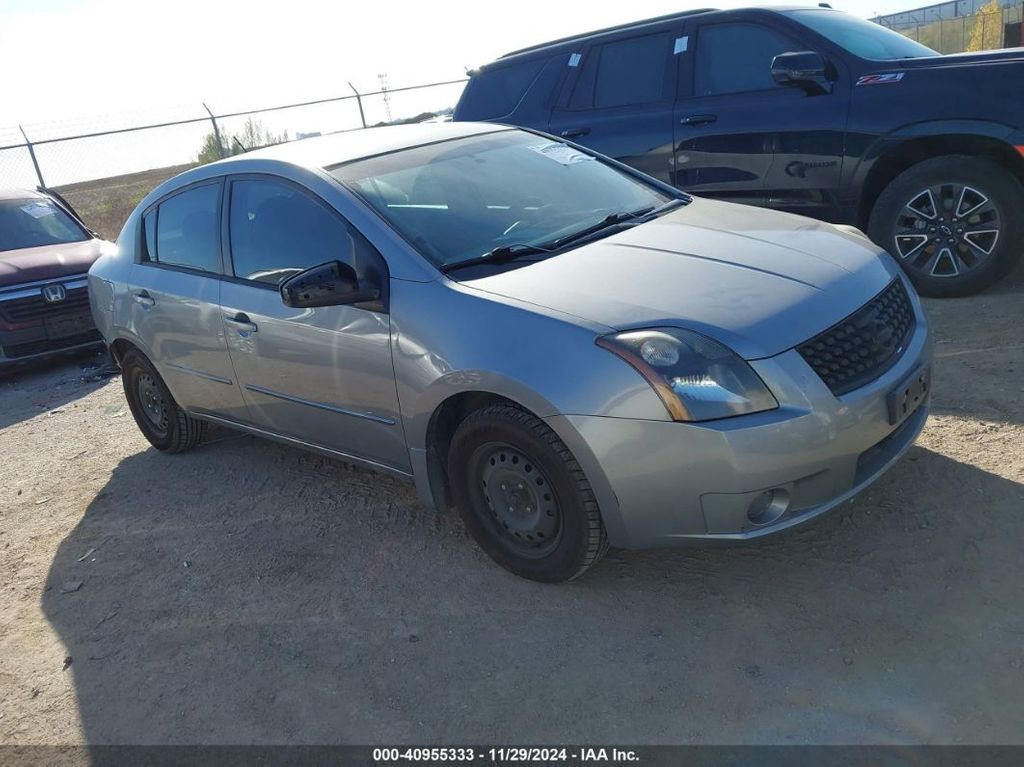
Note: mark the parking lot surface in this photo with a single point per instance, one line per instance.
(247, 592)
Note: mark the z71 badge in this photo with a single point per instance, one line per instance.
(888, 77)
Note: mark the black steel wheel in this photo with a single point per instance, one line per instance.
(525, 515)
(152, 403)
(523, 496)
(953, 224)
(158, 416)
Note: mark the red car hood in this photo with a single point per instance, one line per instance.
(49, 262)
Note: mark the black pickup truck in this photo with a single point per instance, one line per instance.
(807, 110)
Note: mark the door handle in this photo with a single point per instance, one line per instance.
(698, 119)
(143, 298)
(242, 323)
(574, 132)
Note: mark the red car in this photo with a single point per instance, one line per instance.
(45, 254)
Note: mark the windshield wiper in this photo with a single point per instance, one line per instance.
(672, 204)
(505, 253)
(613, 221)
(500, 255)
(610, 221)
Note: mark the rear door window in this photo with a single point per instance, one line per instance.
(624, 73)
(187, 230)
(737, 58)
(496, 91)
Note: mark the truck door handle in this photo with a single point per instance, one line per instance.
(143, 298)
(242, 323)
(574, 132)
(698, 119)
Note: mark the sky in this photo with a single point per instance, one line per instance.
(79, 66)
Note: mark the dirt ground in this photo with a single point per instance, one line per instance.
(247, 592)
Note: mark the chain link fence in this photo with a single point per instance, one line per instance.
(105, 165)
(962, 25)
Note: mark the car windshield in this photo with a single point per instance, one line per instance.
(36, 221)
(861, 37)
(458, 200)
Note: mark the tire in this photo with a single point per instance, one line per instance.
(948, 253)
(161, 421)
(523, 497)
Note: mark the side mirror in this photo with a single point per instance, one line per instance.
(805, 69)
(330, 284)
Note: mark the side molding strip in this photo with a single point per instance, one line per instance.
(321, 405)
(200, 373)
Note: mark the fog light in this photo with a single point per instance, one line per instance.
(768, 506)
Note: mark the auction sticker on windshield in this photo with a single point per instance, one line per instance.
(560, 153)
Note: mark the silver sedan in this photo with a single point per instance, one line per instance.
(570, 353)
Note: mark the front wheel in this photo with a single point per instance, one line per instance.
(523, 497)
(955, 224)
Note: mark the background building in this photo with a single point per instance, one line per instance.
(962, 25)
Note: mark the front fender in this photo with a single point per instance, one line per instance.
(448, 339)
(479, 342)
(882, 145)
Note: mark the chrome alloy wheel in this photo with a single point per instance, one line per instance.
(946, 230)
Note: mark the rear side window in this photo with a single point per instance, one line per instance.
(735, 58)
(496, 91)
(623, 73)
(186, 231)
(277, 230)
(149, 234)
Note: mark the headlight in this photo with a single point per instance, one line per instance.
(698, 379)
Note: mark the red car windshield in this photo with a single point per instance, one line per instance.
(35, 222)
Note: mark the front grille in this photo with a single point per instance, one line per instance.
(862, 347)
(32, 308)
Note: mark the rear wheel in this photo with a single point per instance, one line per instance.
(523, 497)
(954, 224)
(159, 418)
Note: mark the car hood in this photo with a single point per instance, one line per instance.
(757, 280)
(49, 262)
(953, 59)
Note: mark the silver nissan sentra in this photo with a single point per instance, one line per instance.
(570, 353)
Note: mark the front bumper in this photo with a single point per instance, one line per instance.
(661, 483)
(91, 341)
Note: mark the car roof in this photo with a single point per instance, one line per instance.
(20, 194)
(608, 30)
(552, 46)
(338, 148)
(323, 152)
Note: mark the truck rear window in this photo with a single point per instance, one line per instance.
(495, 91)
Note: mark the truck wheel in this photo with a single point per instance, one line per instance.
(955, 224)
(523, 497)
(161, 421)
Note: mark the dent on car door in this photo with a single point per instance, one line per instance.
(321, 375)
(620, 101)
(175, 300)
(743, 137)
